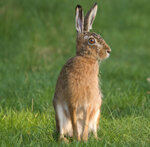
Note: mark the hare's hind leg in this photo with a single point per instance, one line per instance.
(57, 122)
(56, 116)
(61, 120)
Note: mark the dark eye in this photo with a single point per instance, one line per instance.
(91, 41)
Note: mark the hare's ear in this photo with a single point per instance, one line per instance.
(89, 18)
(79, 19)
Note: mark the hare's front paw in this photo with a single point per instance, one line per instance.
(96, 137)
(85, 136)
(62, 138)
(77, 136)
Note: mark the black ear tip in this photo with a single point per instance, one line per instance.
(78, 6)
(95, 4)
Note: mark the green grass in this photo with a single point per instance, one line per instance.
(38, 37)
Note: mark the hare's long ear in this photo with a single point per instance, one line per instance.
(89, 18)
(79, 19)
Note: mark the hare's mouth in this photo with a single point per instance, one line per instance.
(108, 54)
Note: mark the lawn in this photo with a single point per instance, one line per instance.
(38, 37)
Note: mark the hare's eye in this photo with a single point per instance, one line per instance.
(91, 41)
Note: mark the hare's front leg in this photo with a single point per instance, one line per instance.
(86, 124)
(74, 122)
(96, 123)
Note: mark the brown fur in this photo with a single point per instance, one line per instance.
(77, 98)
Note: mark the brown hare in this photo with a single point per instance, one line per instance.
(77, 99)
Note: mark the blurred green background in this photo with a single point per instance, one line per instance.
(37, 37)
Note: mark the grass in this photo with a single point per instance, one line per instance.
(37, 38)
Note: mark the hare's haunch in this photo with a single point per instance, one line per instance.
(77, 99)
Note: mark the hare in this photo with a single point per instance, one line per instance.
(77, 99)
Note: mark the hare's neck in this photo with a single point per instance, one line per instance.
(90, 64)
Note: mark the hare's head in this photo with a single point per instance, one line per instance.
(89, 44)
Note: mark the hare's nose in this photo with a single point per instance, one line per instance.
(108, 51)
